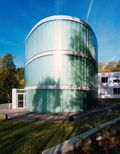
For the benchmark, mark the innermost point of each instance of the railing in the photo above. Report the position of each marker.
(91, 136)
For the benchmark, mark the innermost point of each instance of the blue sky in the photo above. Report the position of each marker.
(17, 17)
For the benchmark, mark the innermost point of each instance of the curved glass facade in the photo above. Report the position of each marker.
(61, 66)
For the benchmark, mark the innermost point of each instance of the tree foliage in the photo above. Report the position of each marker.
(100, 66)
(108, 67)
(10, 77)
(20, 76)
(117, 68)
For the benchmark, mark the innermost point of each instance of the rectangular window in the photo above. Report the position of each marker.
(116, 80)
(116, 90)
(104, 79)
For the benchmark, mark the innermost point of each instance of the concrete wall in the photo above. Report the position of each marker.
(5, 106)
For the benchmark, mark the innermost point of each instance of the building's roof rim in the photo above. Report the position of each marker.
(109, 73)
(58, 17)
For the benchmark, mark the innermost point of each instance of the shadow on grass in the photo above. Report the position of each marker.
(30, 137)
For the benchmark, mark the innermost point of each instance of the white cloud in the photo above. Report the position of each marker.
(113, 58)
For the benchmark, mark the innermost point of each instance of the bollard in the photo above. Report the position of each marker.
(71, 118)
(6, 116)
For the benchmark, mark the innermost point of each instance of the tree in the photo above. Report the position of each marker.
(117, 67)
(6, 62)
(20, 76)
(100, 66)
(108, 67)
(9, 78)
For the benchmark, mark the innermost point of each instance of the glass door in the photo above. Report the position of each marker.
(21, 100)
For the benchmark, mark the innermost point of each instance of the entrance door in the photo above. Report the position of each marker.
(21, 100)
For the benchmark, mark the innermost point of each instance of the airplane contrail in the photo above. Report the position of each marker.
(89, 9)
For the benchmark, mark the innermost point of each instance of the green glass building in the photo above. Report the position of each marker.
(60, 65)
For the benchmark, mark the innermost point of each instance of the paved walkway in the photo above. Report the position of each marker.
(25, 115)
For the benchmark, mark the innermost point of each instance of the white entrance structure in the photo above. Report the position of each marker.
(18, 98)
(109, 85)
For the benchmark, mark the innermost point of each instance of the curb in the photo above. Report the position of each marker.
(98, 133)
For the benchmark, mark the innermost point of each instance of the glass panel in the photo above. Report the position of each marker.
(60, 69)
(20, 97)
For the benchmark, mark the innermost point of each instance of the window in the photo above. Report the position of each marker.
(116, 80)
(20, 100)
(116, 90)
(104, 79)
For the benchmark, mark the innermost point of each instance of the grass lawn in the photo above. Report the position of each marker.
(29, 138)
(18, 137)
